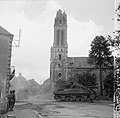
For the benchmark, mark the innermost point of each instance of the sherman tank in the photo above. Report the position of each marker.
(75, 94)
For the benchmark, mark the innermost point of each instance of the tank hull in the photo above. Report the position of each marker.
(75, 95)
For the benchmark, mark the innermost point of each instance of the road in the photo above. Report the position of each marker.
(48, 108)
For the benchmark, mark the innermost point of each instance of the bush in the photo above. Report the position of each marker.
(108, 85)
(86, 79)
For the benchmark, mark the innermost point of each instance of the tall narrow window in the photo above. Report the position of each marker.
(58, 35)
(59, 56)
(62, 37)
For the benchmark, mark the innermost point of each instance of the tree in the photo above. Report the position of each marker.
(78, 80)
(88, 79)
(100, 56)
(109, 84)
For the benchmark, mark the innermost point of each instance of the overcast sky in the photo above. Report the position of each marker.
(86, 19)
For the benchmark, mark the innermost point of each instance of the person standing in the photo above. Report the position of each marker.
(11, 100)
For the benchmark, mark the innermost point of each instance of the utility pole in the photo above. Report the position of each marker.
(16, 42)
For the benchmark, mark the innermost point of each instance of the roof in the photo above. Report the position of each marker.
(80, 62)
(5, 32)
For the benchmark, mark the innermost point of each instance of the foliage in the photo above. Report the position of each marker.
(85, 79)
(100, 56)
(88, 79)
(109, 84)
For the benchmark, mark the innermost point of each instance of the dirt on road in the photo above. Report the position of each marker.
(48, 108)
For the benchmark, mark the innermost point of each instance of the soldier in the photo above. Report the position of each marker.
(11, 99)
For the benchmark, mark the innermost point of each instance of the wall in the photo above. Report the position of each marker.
(5, 61)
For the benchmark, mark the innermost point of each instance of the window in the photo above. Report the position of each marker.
(58, 35)
(71, 63)
(62, 37)
(60, 21)
(59, 56)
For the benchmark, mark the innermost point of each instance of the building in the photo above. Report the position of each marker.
(62, 66)
(59, 50)
(6, 39)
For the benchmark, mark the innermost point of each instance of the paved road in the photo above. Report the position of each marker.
(53, 109)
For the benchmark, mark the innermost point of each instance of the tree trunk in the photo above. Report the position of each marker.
(101, 85)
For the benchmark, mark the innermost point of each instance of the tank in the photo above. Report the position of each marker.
(75, 94)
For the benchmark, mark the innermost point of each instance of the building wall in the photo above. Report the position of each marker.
(5, 61)
(59, 50)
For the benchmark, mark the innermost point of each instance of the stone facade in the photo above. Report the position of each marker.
(59, 50)
(6, 39)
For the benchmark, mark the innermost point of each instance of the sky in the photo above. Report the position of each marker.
(85, 18)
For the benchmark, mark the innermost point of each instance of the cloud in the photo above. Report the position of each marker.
(32, 58)
(80, 36)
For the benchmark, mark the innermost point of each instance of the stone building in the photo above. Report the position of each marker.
(62, 66)
(6, 39)
(59, 50)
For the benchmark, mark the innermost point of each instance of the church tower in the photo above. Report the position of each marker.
(59, 50)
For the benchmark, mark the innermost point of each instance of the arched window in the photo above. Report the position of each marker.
(62, 37)
(58, 35)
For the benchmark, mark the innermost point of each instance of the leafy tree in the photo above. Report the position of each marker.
(73, 82)
(84, 79)
(88, 79)
(78, 80)
(100, 56)
(108, 84)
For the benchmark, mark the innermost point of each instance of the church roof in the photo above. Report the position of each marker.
(4, 32)
(80, 62)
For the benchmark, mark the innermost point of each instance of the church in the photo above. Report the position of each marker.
(62, 66)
